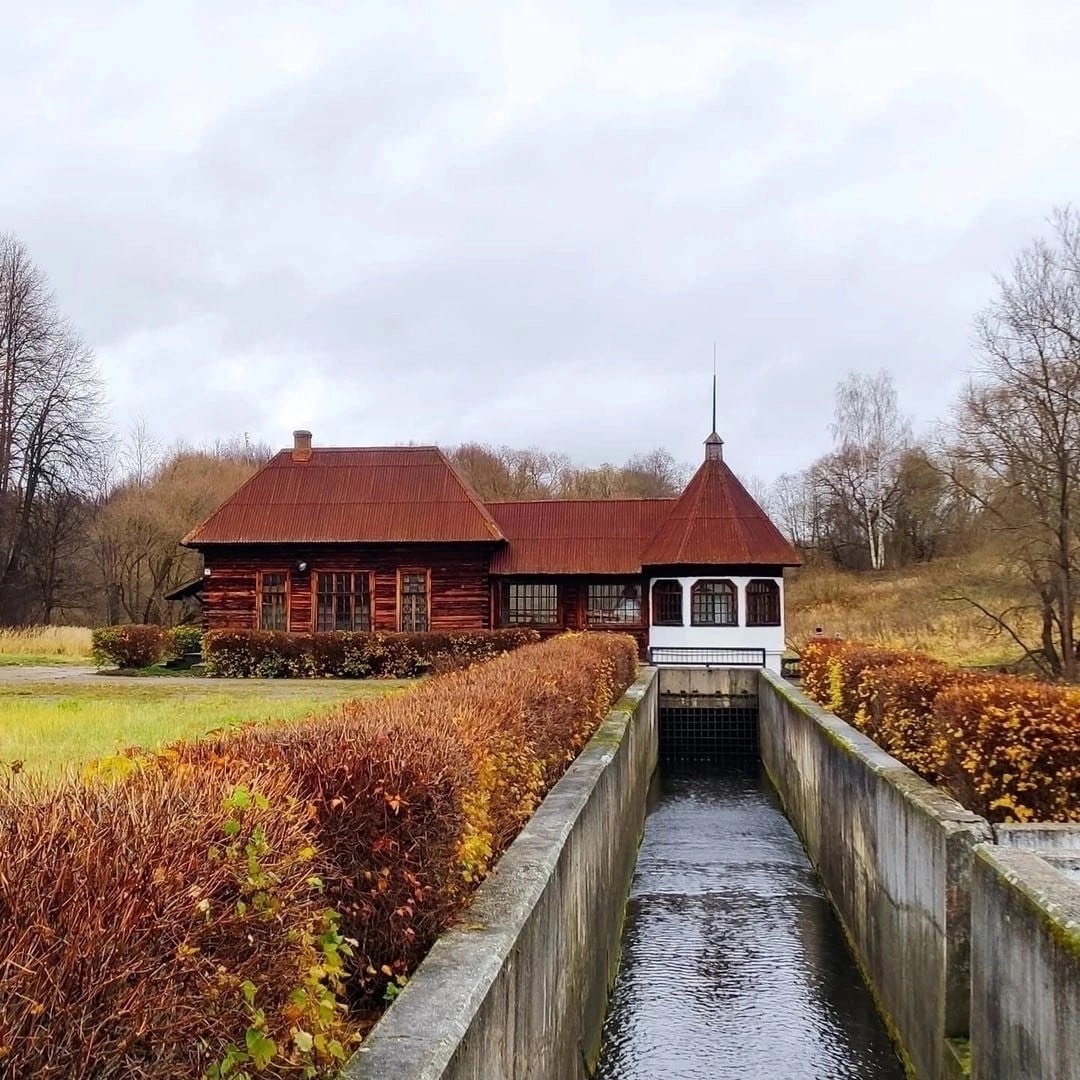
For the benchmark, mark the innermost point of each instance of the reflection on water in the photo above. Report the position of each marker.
(733, 963)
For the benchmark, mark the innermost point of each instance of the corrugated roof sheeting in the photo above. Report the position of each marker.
(717, 521)
(588, 536)
(413, 494)
(397, 494)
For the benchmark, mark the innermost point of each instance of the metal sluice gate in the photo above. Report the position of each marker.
(707, 727)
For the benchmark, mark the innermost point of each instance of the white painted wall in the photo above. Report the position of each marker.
(769, 638)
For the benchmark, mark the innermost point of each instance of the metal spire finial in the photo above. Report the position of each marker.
(713, 387)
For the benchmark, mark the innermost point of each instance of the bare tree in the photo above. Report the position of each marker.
(135, 536)
(50, 403)
(503, 473)
(796, 502)
(1016, 430)
(871, 436)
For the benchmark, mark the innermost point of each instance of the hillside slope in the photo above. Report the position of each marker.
(916, 608)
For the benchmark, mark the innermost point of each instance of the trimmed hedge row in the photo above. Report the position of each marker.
(1006, 747)
(138, 646)
(267, 654)
(210, 909)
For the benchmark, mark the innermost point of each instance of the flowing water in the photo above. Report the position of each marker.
(733, 963)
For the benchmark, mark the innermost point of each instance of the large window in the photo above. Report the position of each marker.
(273, 601)
(413, 601)
(343, 601)
(530, 603)
(667, 603)
(762, 603)
(616, 604)
(714, 603)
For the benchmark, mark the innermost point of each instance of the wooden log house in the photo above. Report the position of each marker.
(392, 538)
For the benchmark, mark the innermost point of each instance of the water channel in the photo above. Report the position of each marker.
(733, 963)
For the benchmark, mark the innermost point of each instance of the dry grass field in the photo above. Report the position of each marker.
(45, 645)
(910, 608)
(50, 726)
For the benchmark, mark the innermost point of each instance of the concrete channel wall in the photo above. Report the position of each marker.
(1025, 965)
(894, 855)
(519, 990)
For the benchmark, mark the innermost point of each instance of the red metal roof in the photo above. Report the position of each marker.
(580, 536)
(364, 495)
(716, 521)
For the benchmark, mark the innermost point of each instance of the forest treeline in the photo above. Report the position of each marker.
(90, 523)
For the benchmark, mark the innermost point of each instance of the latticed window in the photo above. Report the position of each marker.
(413, 604)
(273, 602)
(343, 601)
(714, 603)
(762, 603)
(613, 603)
(667, 603)
(530, 604)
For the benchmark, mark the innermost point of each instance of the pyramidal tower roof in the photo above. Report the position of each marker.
(716, 521)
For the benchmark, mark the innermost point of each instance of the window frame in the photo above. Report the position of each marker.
(774, 596)
(622, 586)
(260, 602)
(504, 604)
(365, 575)
(402, 573)
(654, 607)
(734, 592)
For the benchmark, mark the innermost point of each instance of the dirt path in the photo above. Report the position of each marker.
(70, 676)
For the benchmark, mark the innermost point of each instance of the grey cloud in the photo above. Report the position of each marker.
(387, 249)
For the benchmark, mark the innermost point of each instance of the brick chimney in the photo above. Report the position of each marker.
(301, 450)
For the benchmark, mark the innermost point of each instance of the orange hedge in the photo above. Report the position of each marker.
(1012, 748)
(1008, 748)
(210, 908)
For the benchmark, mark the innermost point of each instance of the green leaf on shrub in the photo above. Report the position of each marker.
(261, 1049)
(304, 1040)
(248, 989)
(240, 799)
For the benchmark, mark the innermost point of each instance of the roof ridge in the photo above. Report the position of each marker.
(364, 449)
(626, 499)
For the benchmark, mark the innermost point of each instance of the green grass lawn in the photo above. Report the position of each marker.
(31, 659)
(51, 725)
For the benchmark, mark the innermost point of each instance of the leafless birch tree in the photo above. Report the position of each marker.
(871, 436)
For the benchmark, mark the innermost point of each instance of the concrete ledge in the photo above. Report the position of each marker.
(1034, 837)
(519, 990)
(894, 854)
(1025, 969)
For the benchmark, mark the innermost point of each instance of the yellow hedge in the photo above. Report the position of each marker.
(1007, 748)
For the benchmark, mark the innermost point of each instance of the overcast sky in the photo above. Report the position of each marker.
(527, 223)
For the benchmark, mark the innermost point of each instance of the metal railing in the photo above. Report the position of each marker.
(687, 656)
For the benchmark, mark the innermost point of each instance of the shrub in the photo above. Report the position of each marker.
(413, 796)
(183, 640)
(188, 912)
(355, 654)
(128, 647)
(1012, 748)
(896, 709)
(832, 670)
(165, 922)
(1007, 748)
